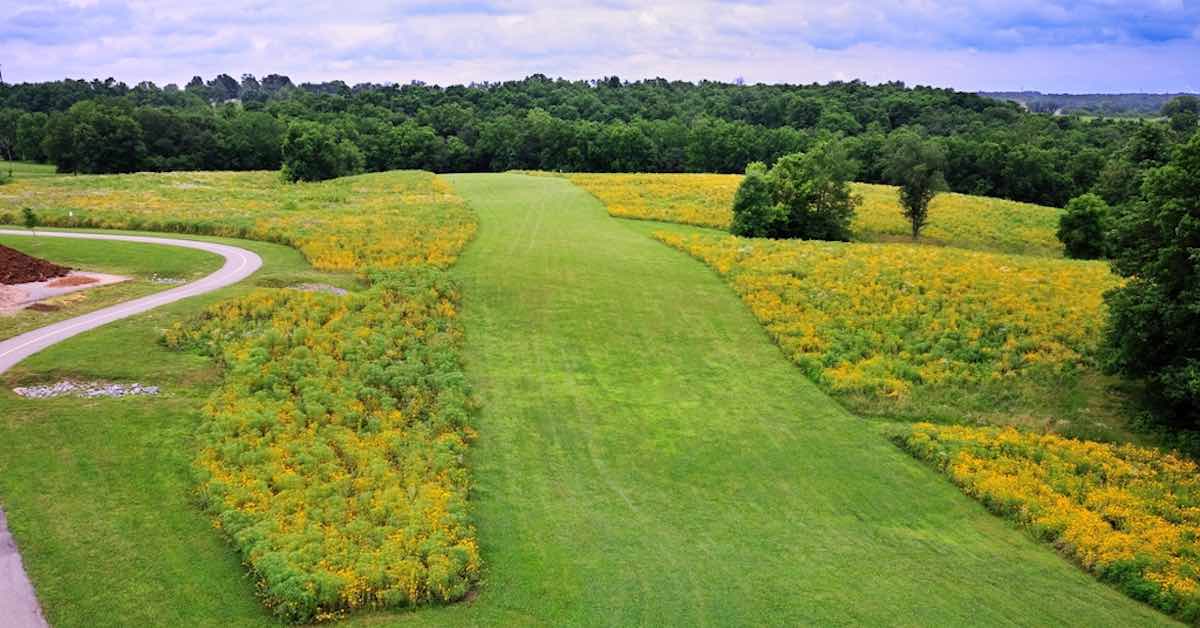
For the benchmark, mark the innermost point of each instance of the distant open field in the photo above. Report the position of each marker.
(959, 220)
(26, 170)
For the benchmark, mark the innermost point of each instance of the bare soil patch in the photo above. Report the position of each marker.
(72, 280)
(17, 267)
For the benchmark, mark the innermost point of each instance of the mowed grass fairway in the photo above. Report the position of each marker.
(648, 457)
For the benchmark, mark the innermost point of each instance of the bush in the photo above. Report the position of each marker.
(1082, 228)
(805, 195)
(313, 152)
(755, 214)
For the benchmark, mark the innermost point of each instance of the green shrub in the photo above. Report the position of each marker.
(1082, 228)
(805, 195)
(755, 214)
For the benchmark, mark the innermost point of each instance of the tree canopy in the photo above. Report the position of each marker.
(991, 147)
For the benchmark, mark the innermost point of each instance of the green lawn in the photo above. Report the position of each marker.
(133, 259)
(26, 170)
(646, 457)
(98, 492)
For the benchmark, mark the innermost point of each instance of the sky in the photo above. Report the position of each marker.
(972, 45)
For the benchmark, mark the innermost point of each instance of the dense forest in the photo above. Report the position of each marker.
(991, 147)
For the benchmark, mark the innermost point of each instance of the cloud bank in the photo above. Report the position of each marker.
(1093, 45)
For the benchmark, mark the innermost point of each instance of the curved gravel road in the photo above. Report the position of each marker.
(18, 604)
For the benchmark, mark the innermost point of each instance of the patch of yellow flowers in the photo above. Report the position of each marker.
(1129, 515)
(883, 319)
(382, 220)
(332, 454)
(705, 200)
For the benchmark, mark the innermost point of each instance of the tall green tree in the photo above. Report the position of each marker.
(1082, 227)
(916, 164)
(31, 132)
(1154, 318)
(314, 152)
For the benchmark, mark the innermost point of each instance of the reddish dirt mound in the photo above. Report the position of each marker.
(17, 267)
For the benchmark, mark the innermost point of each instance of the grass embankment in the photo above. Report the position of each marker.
(959, 220)
(647, 457)
(141, 262)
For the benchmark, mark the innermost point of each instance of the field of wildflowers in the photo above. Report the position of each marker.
(382, 220)
(704, 200)
(893, 321)
(333, 451)
(332, 454)
(1129, 515)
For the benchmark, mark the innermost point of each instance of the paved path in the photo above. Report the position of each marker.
(18, 604)
(239, 264)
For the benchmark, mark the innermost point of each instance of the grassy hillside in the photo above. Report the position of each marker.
(928, 332)
(704, 200)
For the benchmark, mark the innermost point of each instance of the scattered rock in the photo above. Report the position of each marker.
(17, 267)
(171, 281)
(320, 287)
(85, 389)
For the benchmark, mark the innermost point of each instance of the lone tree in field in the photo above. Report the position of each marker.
(30, 219)
(1082, 227)
(805, 195)
(917, 166)
(1154, 318)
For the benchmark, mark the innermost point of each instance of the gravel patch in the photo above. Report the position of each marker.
(88, 390)
(320, 287)
(170, 281)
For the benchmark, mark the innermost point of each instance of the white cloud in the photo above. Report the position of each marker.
(1041, 44)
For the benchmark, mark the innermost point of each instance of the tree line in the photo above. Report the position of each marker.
(990, 147)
